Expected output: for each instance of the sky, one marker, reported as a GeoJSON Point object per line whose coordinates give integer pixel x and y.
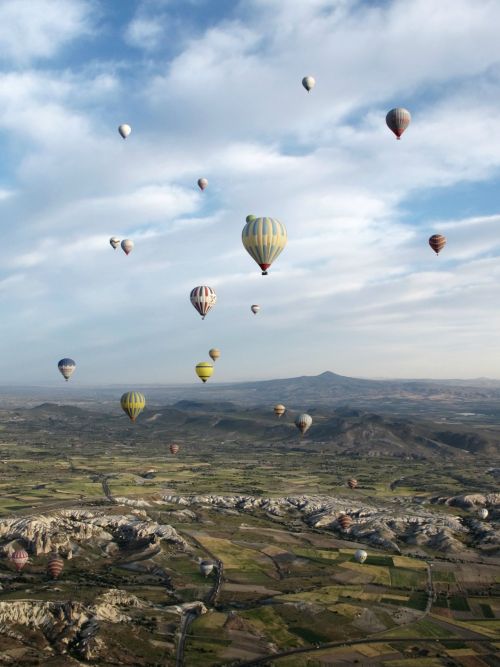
{"type": "Point", "coordinates": [213, 89]}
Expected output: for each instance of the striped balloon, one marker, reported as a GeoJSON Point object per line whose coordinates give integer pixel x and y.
{"type": "Point", "coordinates": [203, 299]}
{"type": "Point", "coordinates": [19, 558]}
{"type": "Point", "coordinates": [204, 370]}
{"type": "Point", "coordinates": [437, 242]}
{"type": "Point", "coordinates": [214, 354]}
{"type": "Point", "coordinates": [279, 409]}
{"type": "Point", "coordinates": [352, 483]}
{"type": "Point", "coordinates": [264, 239]}
{"type": "Point", "coordinates": [55, 565]}
{"type": "Point", "coordinates": [66, 368]}
{"type": "Point", "coordinates": [344, 521]}
{"type": "Point", "coordinates": [174, 448]}
{"type": "Point", "coordinates": [133, 403]}
{"type": "Point", "coordinates": [398, 120]}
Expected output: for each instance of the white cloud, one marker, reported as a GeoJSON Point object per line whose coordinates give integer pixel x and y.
{"type": "Point", "coordinates": [31, 29]}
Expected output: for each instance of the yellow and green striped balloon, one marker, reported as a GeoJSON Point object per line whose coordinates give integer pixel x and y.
{"type": "Point", "coordinates": [204, 370]}
{"type": "Point", "coordinates": [133, 403]}
{"type": "Point", "coordinates": [264, 239]}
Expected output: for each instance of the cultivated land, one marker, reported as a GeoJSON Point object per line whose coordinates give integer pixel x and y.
{"type": "Point", "coordinates": [132, 522]}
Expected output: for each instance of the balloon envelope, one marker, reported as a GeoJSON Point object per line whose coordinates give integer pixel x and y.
{"type": "Point", "coordinates": [398, 120]}
{"type": "Point", "coordinates": [19, 558]}
{"type": "Point", "coordinates": [174, 448]}
{"type": "Point", "coordinates": [214, 354]}
{"type": "Point", "coordinates": [203, 299]}
{"type": "Point", "coordinates": [303, 423]}
{"type": "Point", "coordinates": [133, 403]}
{"type": "Point", "coordinates": [360, 556]}
{"type": "Point", "coordinates": [279, 409]}
{"type": "Point", "coordinates": [264, 239]}
{"type": "Point", "coordinates": [124, 130]}
{"type": "Point", "coordinates": [55, 566]}
{"type": "Point", "coordinates": [255, 308]}
{"type": "Point", "coordinates": [352, 483]}
{"type": "Point", "coordinates": [483, 513]}
{"type": "Point", "coordinates": [127, 246]}
{"type": "Point", "coordinates": [202, 183]}
{"type": "Point", "coordinates": [115, 242]}
{"type": "Point", "coordinates": [250, 218]}
{"type": "Point", "coordinates": [308, 82]}
{"type": "Point", "coordinates": [344, 521]}
{"type": "Point", "coordinates": [206, 567]}
{"type": "Point", "coordinates": [66, 367]}
{"type": "Point", "coordinates": [437, 242]}
{"type": "Point", "coordinates": [204, 370]}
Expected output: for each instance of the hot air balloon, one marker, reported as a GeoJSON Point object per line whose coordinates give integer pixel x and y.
{"type": "Point", "coordinates": [202, 183]}
{"type": "Point", "coordinates": [483, 513]}
{"type": "Point", "coordinates": [214, 354]}
{"type": "Point", "coordinates": [127, 246]}
{"type": "Point", "coordinates": [206, 567]}
{"type": "Point", "coordinates": [437, 242]}
{"type": "Point", "coordinates": [204, 370]}
{"type": "Point", "coordinates": [398, 120]}
{"type": "Point", "coordinates": [360, 556]}
{"type": "Point", "coordinates": [308, 82]}
{"type": "Point", "coordinates": [124, 130]}
{"type": "Point", "coordinates": [114, 242]}
{"type": "Point", "coordinates": [66, 368]}
{"type": "Point", "coordinates": [55, 565]}
{"type": "Point", "coordinates": [264, 239]}
{"type": "Point", "coordinates": [303, 423]}
{"type": "Point", "coordinates": [133, 403]}
{"type": "Point", "coordinates": [174, 449]}
{"type": "Point", "coordinates": [203, 299]}
{"type": "Point", "coordinates": [279, 410]}
{"type": "Point", "coordinates": [19, 558]}
{"type": "Point", "coordinates": [255, 308]}
{"type": "Point", "coordinates": [250, 218]}
{"type": "Point", "coordinates": [344, 521]}
{"type": "Point", "coordinates": [352, 483]}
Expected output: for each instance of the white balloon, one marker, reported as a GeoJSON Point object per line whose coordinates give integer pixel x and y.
{"type": "Point", "coordinates": [127, 246]}
{"type": "Point", "coordinates": [124, 130]}
{"type": "Point", "coordinates": [308, 82]}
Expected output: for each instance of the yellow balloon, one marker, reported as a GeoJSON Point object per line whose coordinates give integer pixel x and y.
{"type": "Point", "coordinates": [204, 370]}
{"type": "Point", "coordinates": [133, 403]}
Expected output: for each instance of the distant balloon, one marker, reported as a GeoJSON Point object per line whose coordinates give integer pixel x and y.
{"type": "Point", "coordinates": [203, 299]}
{"type": "Point", "coordinates": [214, 354]}
{"type": "Point", "coordinates": [255, 308]}
{"type": "Point", "coordinates": [360, 556]}
{"type": "Point", "coordinates": [250, 218]}
{"type": "Point", "coordinates": [127, 246]}
{"type": "Point", "coordinates": [264, 239]}
{"type": "Point", "coordinates": [114, 242]}
{"type": "Point", "coordinates": [352, 483]}
{"type": "Point", "coordinates": [437, 242]}
{"type": "Point", "coordinates": [206, 567]}
{"type": "Point", "coordinates": [398, 120]}
{"type": "Point", "coordinates": [133, 403]}
{"type": "Point", "coordinates": [55, 565]}
{"type": "Point", "coordinates": [202, 183]}
{"type": "Point", "coordinates": [174, 449]}
{"type": "Point", "coordinates": [483, 513]}
{"type": "Point", "coordinates": [308, 82]}
{"type": "Point", "coordinates": [303, 423]}
{"type": "Point", "coordinates": [66, 368]}
{"type": "Point", "coordinates": [19, 558]}
{"type": "Point", "coordinates": [124, 130]}
{"type": "Point", "coordinates": [279, 410]}
{"type": "Point", "coordinates": [344, 521]}
{"type": "Point", "coordinates": [204, 370]}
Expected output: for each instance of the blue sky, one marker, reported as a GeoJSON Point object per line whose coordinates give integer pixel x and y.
{"type": "Point", "coordinates": [214, 89]}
